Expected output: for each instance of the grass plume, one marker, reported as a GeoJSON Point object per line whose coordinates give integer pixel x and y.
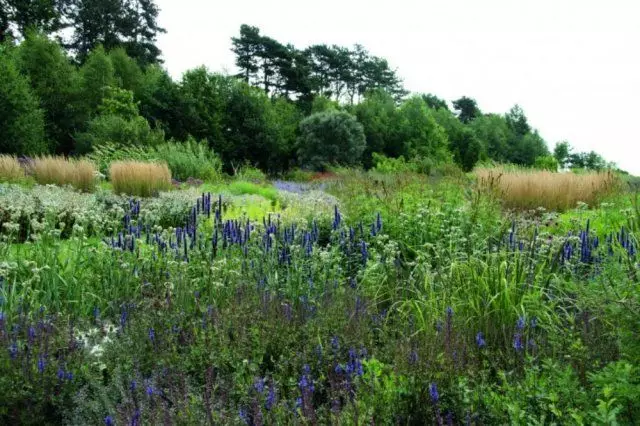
{"type": "Point", "coordinates": [139, 178]}
{"type": "Point", "coordinates": [81, 173]}
{"type": "Point", "coordinates": [529, 189]}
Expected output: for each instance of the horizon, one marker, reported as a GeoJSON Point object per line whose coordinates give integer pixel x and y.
{"type": "Point", "coordinates": [558, 64]}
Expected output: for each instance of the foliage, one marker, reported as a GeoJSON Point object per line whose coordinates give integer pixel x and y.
{"type": "Point", "coordinates": [330, 138]}
{"type": "Point", "coordinates": [21, 119]}
{"type": "Point", "coordinates": [334, 72]}
{"type": "Point", "coordinates": [54, 80]}
{"type": "Point", "coordinates": [547, 162]}
{"type": "Point", "coordinates": [117, 122]}
{"type": "Point", "coordinates": [113, 24]}
{"type": "Point", "coordinates": [138, 178]}
{"type": "Point", "coordinates": [415, 301]}
{"type": "Point", "coordinates": [419, 134]}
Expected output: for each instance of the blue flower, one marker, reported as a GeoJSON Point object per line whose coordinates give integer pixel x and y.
{"type": "Point", "coordinates": [13, 350]}
{"type": "Point", "coordinates": [433, 392]}
{"type": "Point", "coordinates": [108, 421]}
{"type": "Point", "coordinates": [520, 323]}
{"type": "Point", "coordinates": [259, 385]}
{"type": "Point", "coordinates": [271, 398]}
{"type": "Point", "coordinates": [41, 364]}
{"type": "Point", "coordinates": [517, 342]}
{"type": "Point", "coordinates": [413, 357]}
{"type": "Point", "coordinates": [152, 335]}
{"type": "Point", "coordinates": [244, 415]}
{"type": "Point", "coordinates": [480, 340]}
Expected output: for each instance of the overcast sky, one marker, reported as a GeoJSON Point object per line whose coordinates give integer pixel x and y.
{"type": "Point", "coordinates": [572, 65]}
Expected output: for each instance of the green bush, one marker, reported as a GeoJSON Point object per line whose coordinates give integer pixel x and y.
{"type": "Point", "coordinates": [249, 173]}
{"type": "Point", "coordinates": [546, 162]}
{"type": "Point", "coordinates": [185, 160]}
{"type": "Point", "coordinates": [190, 159]}
{"type": "Point", "coordinates": [384, 164]}
{"type": "Point", "coordinates": [330, 138]}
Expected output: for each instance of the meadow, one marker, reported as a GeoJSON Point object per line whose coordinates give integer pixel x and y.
{"type": "Point", "coordinates": [345, 298]}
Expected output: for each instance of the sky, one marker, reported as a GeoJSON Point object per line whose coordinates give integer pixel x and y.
{"type": "Point", "coordinates": [572, 65]}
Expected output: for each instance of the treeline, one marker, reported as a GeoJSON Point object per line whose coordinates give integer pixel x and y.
{"type": "Point", "coordinates": [287, 107]}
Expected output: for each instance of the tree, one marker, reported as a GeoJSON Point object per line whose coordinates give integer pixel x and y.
{"type": "Point", "coordinates": [21, 119]}
{"type": "Point", "coordinates": [517, 121]}
{"type": "Point", "coordinates": [204, 97]}
{"type": "Point", "coordinates": [55, 81]}
{"type": "Point", "coordinates": [493, 133]}
{"type": "Point", "coordinates": [20, 16]}
{"type": "Point", "coordinates": [251, 130]}
{"type": "Point", "coordinates": [246, 48]}
{"type": "Point", "coordinates": [377, 114]}
{"type": "Point", "coordinates": [96, 75]}
{"type": "Point", "coordinates": [527, 148]}
{"type": "Point", "coordinates": [467, 109]}
{"type": "Point", "coordinates": [126, 71]}
{"type": "Point", "coordinates": [130, 24]}
{"type": "Point", "coordinates": [435, 102]}
{"type": "Point", "coordinates": [161, 102]}
{"type": "Point", "coordinates": [418, 134]}
{"type": "Point", "coordinates": [330, 138]}
{"type": "Point", "coordinates": [466, 148]}
{"type": "Point", "coordinates": [561, 152]}
{"type": "Point", "coordinates": [118, 122]}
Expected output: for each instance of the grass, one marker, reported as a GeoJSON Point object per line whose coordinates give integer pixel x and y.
{"type": "Point", "coordinates": [139, 178]}
{"type": "Point", "coordinates": [10, 170]}
{"type": "Point", "coordinates": [81, 174]}
{"type": "Point", "coordinates": [242, 187]}
{"type": "Point", "coordinates": [530, 189]}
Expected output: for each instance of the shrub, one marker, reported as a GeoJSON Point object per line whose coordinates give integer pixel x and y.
{"type": "Point", "coordinates": [81, 173]}
{"type": "Point", "coordinates": [530, 189]}
{"type": "Point", "coordinates": [190, 159]}
{"type": "Point", "coordinates": [185, 160]}
{"type": "Point", "coordinates": [298, 175]}
{"type": "Point", "coordinates": [330, 138]}
{"type": "Point", "coordinates": [10, 170]}
{"type": "Point", "coordinates": [139, 178]}
{"type": "Point", "coordinates": [546, 162]}
{"type": "Point", "coordinates": [384, 164]}
{"type": "Point", "coordinates": [249, 173]}
{"type": "Point", "coordinates": [113, 128]}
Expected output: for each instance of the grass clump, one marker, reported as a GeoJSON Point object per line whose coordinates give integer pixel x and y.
{"type": "Point", "coordinates": [79, 173]}
{"type": "Point", "coordinates": [242, 187]}
{"type": "Point", "coordinates": [10, 170]}
{"type": "Point", "coordinates": [139, 178]}
{"type": "Point", "coordinates": [529, 189]}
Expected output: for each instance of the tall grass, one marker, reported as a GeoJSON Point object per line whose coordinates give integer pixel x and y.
{"type": "Point", "coordinates": [139, 178]}
{"type": "Point", "coordinates": [528, 189]}
{"type": "Point", "coordinates": [10, 170]}
{"type": "Point", "coordinates": [81, 174]}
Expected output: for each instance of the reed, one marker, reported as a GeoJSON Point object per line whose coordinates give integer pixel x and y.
{"type": "Point", "coordinates": [10, 170]}
{"type": "Point", "coordinates": [79, 173]}
{"type": "Point", "coordinates": [139, 178]}
{"type": "Point", "coordinates": [529, 189]}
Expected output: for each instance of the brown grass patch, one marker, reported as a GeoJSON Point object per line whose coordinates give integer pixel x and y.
{"type": "Point", "coordinates": [139, 178]}
{"type": "Point", "coordinates": [530, 189]}
{"type": "Point", "coordinates": [81, 174]}
{"type": "Point", "coordinates": [10, 170]}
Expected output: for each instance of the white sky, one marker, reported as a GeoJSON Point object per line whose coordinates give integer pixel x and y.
{"type": "Point", "coordinates": [573, 65]}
